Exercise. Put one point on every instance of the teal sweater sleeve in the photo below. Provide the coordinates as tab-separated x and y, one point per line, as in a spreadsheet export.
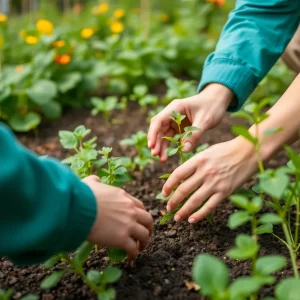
254	37
44	207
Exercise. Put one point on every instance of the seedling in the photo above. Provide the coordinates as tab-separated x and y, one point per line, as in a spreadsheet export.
7	294
85	162
140	94
106	106
139	142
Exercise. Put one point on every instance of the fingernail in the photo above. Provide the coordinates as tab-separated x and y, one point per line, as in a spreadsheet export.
192	220
164	194
187	147
168	208
177	218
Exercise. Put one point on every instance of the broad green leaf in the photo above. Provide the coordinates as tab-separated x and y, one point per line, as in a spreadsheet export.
120	171
274	184
24	123
211	274
52	280
30	297
52	110
264	228
239	201
81	131
83	253
77	164
68	81
116	255
243	115
288	289
68	139
109	294
111	275
237	219
270	218
42	91
243	288
171	151
255	205
94	276
243	131
52	261
269	264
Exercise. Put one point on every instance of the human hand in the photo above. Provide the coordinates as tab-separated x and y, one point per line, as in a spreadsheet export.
212	175
205	111
120	219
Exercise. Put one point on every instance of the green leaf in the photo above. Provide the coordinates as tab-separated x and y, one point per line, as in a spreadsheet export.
255	205
273	131
127	142
288	289
140	90
77	164
111	275
109	294
30	297
167	217
239	201
52	110
269	264
6	295
68	81
42	91
211	274
120	171
116	255
81	131
264	228
68	139
52	261
160	197
171	151
5	92
94	276
202	148
191	128
243	288
274	184
83	253
246	248
295	157
237	219
243	131
24	123
52	280
243	115
171	139
165	176
270	218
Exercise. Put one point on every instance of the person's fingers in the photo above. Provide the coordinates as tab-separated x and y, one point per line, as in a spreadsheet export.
191	142
194	202
164	145
91	178
183	190
181	173
131	249
137	202
141	233
156	150
207	208
145	219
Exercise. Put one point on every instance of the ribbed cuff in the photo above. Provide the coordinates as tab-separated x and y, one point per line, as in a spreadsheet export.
233	75
82	215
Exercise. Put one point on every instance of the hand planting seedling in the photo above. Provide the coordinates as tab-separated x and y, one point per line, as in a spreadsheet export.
84	162
106	106
176	147
144	157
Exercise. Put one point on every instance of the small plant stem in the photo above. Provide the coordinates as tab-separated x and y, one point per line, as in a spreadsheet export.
280	239
290	247
110	173
296	238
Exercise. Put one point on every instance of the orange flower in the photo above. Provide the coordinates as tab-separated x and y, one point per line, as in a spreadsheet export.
63	59
217	2
59	44
19	68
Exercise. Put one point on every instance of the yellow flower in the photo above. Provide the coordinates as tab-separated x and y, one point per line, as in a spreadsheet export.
63	59
119	13
59	44
116	27
100	9
86	33
3	18
19	68
31	40
217	2
22	33
45	27
165	18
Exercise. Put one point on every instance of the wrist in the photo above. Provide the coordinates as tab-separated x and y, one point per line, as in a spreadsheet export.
220	93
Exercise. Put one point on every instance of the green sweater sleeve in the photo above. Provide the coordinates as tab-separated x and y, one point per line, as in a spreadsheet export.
254	37
44	207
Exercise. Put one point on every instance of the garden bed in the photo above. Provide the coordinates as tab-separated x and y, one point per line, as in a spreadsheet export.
163	270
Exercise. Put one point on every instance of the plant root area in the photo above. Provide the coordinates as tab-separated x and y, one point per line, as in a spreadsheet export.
163	270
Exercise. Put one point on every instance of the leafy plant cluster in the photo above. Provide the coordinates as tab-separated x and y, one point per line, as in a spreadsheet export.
84	162
277	192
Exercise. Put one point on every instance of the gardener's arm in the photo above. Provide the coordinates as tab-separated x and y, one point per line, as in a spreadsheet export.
254	37
221	169
45	208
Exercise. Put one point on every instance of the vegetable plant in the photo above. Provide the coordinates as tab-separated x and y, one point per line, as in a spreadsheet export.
139	142
84	162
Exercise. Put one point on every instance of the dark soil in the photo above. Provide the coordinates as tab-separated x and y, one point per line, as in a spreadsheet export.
161	270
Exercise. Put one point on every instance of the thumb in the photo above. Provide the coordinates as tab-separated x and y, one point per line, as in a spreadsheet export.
191	142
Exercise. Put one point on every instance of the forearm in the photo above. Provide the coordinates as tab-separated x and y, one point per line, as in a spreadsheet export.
284	114
44	207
